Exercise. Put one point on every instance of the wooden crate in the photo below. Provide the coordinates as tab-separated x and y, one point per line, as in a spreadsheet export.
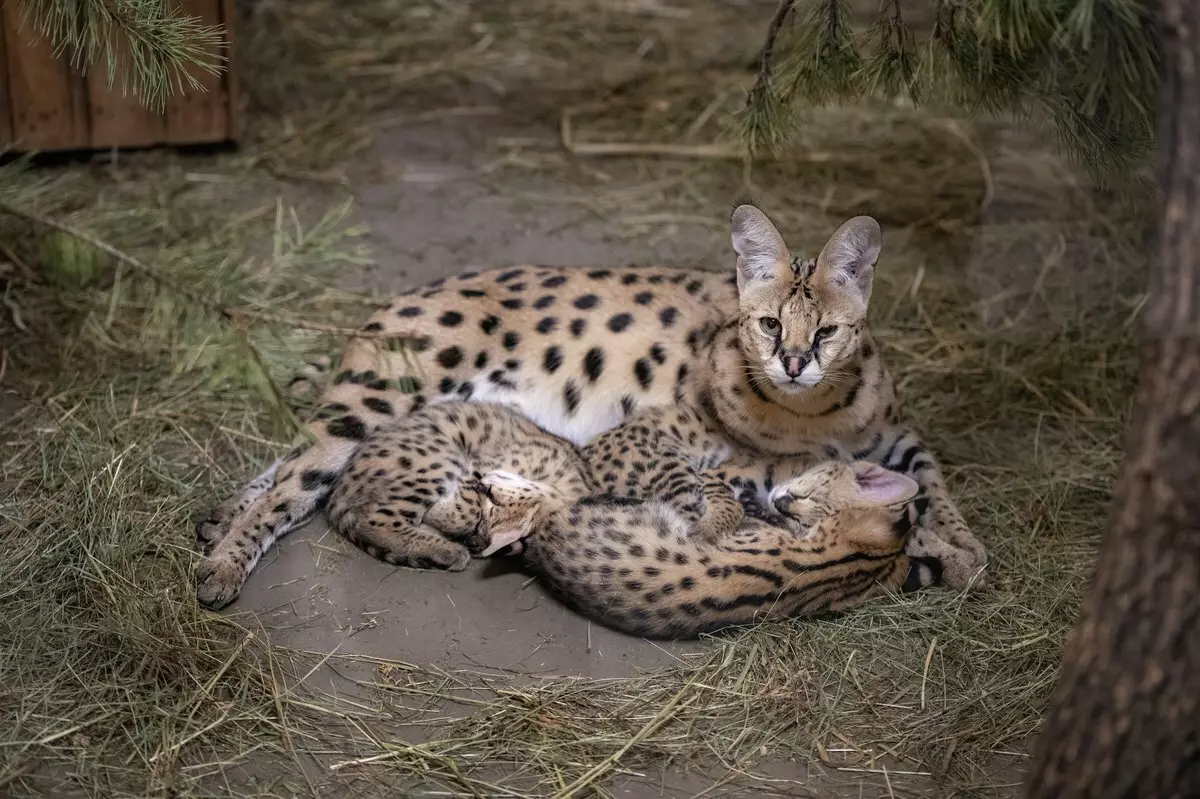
46	104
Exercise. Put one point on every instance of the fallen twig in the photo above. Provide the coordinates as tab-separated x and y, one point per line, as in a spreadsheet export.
701	152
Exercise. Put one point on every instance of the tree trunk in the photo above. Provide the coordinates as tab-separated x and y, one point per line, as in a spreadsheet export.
1125	720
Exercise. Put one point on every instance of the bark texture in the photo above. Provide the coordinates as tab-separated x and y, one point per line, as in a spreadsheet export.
1125	720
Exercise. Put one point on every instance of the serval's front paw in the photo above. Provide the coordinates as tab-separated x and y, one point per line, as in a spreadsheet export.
218	583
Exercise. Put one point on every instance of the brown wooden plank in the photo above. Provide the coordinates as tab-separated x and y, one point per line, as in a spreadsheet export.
48	109
120	119
6	134
200	116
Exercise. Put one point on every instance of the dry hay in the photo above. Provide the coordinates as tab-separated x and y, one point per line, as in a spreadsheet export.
132	415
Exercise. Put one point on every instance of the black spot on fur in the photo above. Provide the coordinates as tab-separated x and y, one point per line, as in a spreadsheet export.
578	326
472	293
410	311
693	287
628	404
511	274
312	479
593	363
451	319
554	282
513	303
500	378
348	427
644	372
466	390
446	385
599	274
547	325
543	303
553	359
644	297
489	324
667	316
587	302
450	357
658	353
481	360
372	327
629	279
620	322
511	340
379	405
571	396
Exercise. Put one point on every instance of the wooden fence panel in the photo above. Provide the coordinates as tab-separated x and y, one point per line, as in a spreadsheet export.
48	105
201	116
119	119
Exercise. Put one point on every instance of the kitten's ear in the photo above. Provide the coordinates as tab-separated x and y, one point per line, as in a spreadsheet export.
879	486
848	258
510	532
762	255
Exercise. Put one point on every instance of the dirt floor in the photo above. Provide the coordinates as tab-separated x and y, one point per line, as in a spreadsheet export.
1004	300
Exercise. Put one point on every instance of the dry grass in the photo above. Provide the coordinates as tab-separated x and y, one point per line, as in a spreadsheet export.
1006	302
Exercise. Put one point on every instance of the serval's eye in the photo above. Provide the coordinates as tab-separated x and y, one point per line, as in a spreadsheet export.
824	333
770	325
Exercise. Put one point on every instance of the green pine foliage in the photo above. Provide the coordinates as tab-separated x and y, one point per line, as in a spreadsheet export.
1088	68
148	44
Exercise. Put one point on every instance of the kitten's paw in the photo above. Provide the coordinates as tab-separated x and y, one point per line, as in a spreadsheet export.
210	531
714	458
962	568
505	487
922	573
218	583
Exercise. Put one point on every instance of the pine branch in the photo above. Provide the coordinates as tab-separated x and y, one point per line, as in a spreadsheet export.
1090	67
150	44
763	104
229	313
762	84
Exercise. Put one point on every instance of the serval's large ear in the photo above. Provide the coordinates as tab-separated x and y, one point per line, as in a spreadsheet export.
762	257
847	262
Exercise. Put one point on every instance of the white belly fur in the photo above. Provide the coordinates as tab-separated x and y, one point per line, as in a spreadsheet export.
597	413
